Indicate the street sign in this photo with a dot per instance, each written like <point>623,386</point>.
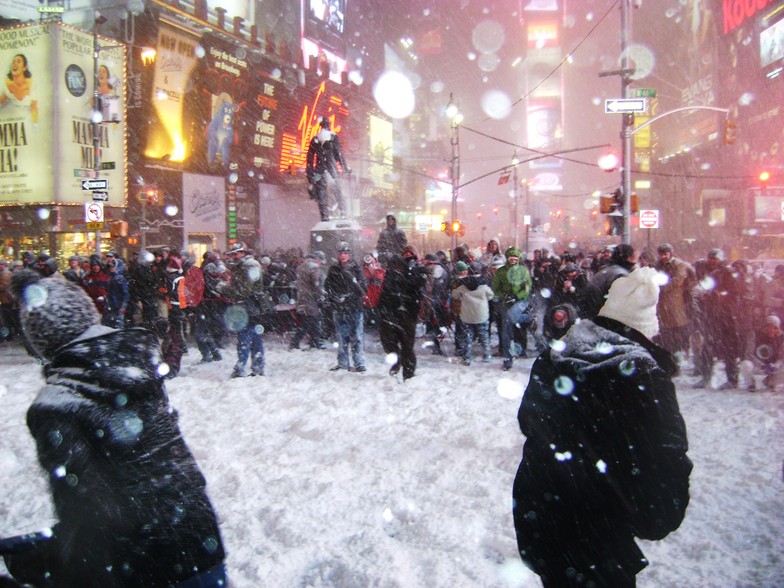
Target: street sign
<point>644,93</point>
<point>93,212</point>
<point>625,105</point>
<point>95,184</point>
<point>100,196</point>
<point>93,226</point>
<point>649,219</point>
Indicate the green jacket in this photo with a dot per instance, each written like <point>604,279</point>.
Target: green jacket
<point>512,281</point>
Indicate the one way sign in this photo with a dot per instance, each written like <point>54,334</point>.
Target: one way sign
<point>95,184</point>
<point>621,105</point>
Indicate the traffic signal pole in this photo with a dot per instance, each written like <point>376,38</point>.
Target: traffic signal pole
<point>626,125</point>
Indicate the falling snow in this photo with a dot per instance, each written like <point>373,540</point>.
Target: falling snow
<point>343,479</point>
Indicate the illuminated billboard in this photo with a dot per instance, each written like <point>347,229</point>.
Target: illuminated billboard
<point>177,57</point>
<point>297,133</point>
<point>325,23</point>
<point>46,151</point>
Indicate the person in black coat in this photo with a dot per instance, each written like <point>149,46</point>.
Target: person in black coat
<point>398,311</point>
<point>604,459</point>
<point>345,288</point>
<point>131,502</point>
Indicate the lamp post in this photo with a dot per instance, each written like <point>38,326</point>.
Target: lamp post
<point>455,118</point>
<point>96,115</point>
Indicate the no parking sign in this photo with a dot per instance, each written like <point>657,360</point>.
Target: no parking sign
<point>649,219</point>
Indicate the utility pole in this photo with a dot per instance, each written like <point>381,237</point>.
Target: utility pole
<point>95,115</point>
<point>627,123</point>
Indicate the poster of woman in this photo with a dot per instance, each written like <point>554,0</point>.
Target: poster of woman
<point>18,90</point>
<point>25,115</point>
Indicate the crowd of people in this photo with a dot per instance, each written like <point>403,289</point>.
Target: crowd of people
<point>710,310</point>
<point>611,330</point>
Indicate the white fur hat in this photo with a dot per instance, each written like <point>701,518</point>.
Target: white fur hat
<point>632,300</point>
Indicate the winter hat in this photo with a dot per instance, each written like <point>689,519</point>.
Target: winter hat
<point>632,300</point>
<point>344,246</point>
<point>410,250</point>
<point>237,247</point>
<point>52,311</point>
<point>174,265</point>
<point>773,320</point>
<point>512,252</point>
<point>461,266</point>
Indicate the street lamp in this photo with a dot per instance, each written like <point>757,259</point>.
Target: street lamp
<point>455,118</point>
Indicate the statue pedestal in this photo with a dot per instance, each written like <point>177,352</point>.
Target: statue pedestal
<point>325,236</point>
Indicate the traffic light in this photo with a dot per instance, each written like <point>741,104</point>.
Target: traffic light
<point>453,228</point>
<point>150,195</point>
<point>730,131</point>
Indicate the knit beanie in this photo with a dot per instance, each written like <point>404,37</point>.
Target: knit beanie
<point>53,311</point>
<point>461,266</point>
<point>632,300</point>
<point>512,252</point>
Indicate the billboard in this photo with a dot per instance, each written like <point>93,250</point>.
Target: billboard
<point>325,23</point>
<point>77,76</point>
<point>47,140</point>
<point>176,59</point>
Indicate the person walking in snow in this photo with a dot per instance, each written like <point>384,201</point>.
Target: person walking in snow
<point>310,294</point>
<point>676,300</point>
<point>398,312</point>
<point>391,240</point>
<point>474,294</point>
<point>250,301</point>
<point>512,287</point>
<point>130,499</point>
<point>345,288</point>
<point>117,296</point>
<point>604,460</point>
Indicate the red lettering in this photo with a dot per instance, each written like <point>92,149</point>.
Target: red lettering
<point>736,12</point>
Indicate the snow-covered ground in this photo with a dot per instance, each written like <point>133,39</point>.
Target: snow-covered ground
<point>356,480</point>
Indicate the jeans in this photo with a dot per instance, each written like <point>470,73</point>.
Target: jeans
<point>480,330</point>
<point>250,343</point>
<point>511,316</point>
<point>350,329</point>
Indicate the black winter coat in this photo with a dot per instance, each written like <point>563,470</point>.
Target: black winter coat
<point>345,287</point>
<point>130,498</point>
<point>402,290</point>
<point>605,454</point>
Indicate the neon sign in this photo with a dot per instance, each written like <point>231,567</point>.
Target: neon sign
<point>294,147</point>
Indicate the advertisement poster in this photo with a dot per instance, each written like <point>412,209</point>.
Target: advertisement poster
<point>75,80</point>
<point>204,203</point>
<point>26,118</point>
<point>224,81</point>
<point>177,57</point>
